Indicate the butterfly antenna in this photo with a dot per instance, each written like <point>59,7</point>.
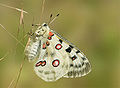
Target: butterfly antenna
<point>53,19</point>
<point>43,7</point>
<point>33,24</point>
<point>50,18</point>
<point>19,73</point>
<point>33,21</point>
<point>11,35</point>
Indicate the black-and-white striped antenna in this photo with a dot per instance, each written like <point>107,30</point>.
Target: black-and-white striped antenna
<point>52,20</point>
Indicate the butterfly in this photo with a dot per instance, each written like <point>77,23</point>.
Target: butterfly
<point>56,56</point>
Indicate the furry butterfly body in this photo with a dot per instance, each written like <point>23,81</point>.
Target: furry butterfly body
<point>56,57</point>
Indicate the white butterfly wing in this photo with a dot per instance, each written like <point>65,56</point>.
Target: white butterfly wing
<point>59,59</point>
<point>53,62</point>
<point>78,63</point>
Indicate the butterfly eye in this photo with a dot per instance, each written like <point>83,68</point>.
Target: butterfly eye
<point>56,63</point>
<point>45,25</point>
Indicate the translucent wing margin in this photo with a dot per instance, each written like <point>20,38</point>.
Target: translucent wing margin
<point>78,63</point>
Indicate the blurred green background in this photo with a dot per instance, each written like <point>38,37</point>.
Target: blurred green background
<point>92,25</point>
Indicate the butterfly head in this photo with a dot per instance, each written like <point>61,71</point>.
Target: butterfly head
<point>42,30</point>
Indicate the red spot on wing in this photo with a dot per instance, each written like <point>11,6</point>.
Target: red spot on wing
<point>74,57</point>
<point>41,63</point>
<point>58,46</point>
<point>38,64</point>
<point>51,34</point>
<point>47,43</point>
<point>44,46</point>
<point>56,63</point>
<point>49,38</point>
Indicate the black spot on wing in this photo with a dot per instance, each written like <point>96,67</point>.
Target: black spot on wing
<point>40,71</point>
<point>71,46</point>
<point>83,63</point>
<point>79,66</point>
<point>74,73</point>
<point>60,41</point>
<point>76,66</point>
<point>69,49</point>
<point>83,58</point>
<point>78,51</point>
<point>69,73</point>
<point>82,72</point>
<point>46,72</point>
<point>71,65</point>
<point>88,65</point>
<point>73,58</point>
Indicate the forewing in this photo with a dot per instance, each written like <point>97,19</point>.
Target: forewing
<point>78,63</point>
<point>59,59</point>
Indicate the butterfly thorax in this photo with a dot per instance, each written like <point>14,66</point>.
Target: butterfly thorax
<point>35,41</point>
<point>42,32</point>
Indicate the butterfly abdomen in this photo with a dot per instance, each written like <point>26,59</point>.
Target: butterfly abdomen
<point>32,49</point>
